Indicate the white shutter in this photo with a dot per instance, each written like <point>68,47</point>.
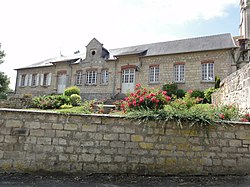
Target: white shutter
<point>41,80</point>
<point>20,80</point>
<point>49,79</point>
<point>30,79</point>
<point>26,80</point>
<point>37,79</point>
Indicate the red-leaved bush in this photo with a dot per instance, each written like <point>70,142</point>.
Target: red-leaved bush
<point>145,98</point>
<point>246,118</point>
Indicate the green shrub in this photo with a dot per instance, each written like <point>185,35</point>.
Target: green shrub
<point>180,93</point>
<point>170,89</point>
<point>88,107</point>
<point>208,94</point>
<point>217,82</point>
<point>66,106</point>
<point>184,103</point>
<point>76,100</point>
<point>228,112</point>
<point>72,90</point>
<point>3,96</point>
<point>197,93</point>
<point>50,101</point>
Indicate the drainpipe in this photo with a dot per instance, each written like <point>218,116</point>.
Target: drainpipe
<point>17,75</point>
<point>114,85</point>
<point>70,75</point>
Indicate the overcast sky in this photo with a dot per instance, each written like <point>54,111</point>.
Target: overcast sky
<point>35,30</point>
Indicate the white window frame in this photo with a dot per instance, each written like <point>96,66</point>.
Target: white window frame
<point>34,79</point>
<point>207,72</point>
<point>179,73</point>
<point>91,77</point>
<point>23,80</point>
<point>45,79</point>
<point>128,75</point>
<point>154,74</point>
<point>79,75</point>
<point>104,76</point>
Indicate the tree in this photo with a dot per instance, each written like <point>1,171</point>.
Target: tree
<point>2,55</point>
<point>4,80</point>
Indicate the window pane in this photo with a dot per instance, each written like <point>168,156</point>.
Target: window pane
<point>91,77</point>
<point>154,74</point>
<point>208,72</point>
<point>45,79</point>
<point>79,78</point>
<point>34,79</point>
<point>179,73</point>
<point>104,76</point>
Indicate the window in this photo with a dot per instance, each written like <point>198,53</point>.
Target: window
<point>45,79</point>
<point>179,73</point>
<point>34,80</point>
<point>104,76</point>
<point>79,78</point>
<point>154,72</point>
<point>91,77</point>
<point>93,52</point>
<point>23,80</point>
<point>128,75</point>
<point>208,71</point>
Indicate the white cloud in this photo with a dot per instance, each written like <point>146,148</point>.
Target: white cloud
<point>35,30</point>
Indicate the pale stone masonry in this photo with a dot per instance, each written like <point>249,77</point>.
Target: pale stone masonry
<point>235,90</point>
<point>100,73</point>
<point>34,141</point>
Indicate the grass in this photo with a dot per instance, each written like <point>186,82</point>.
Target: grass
<point>73,110</point>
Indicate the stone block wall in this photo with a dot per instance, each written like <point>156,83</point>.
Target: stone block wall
<point>235,90</point>
<point>34,141</point>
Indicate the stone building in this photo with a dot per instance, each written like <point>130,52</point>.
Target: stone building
<point>101,73</point>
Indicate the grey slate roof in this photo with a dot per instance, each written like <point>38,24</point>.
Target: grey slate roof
<point>50,61</point>
<point>206,43</point>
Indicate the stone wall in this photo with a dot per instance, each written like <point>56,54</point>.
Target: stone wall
<point>16,102</point>
<point>235,89</point>
<point>34,141</point>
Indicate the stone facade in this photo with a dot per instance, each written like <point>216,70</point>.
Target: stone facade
<point>35,141</point>
<point>222,59</point>
<point>235,90</point>
<point>102,74</point>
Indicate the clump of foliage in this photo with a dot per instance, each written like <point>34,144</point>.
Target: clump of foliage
<point>186,102</point>
<point>50,101</point>
<point>171,89</point>
<point>245,118</point>
<point>3,95</point>
<point>208,94</point>
<point>228,112</point>
<point>198,93</point>
<point>76,100</point>
<point>145,98</point>
<point>71,90</point>
<point>180,93</point>
<point>88,107</point>
<point>66,106</point>
<point>217,82</point>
